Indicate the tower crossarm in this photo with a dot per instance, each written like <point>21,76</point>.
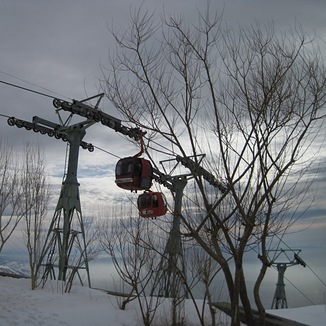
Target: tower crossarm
<point>46,128</point>
<point>284,256</point>
<point>195,168</point>
<point>163,179</point>
<point>93,113</point>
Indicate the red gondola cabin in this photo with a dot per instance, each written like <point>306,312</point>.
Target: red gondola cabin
<point>134,173</point>
<point>152,204</point>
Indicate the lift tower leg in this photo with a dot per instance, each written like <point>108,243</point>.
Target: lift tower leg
<point>279,300</point>
<point>171,269</point>
<point>63,247</point>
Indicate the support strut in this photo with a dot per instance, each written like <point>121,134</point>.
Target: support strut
<point>65,246</point>
<point>171,270</point>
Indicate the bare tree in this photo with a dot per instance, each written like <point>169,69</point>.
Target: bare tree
<point>11,210</point>
<point>35,198</point>
<point>206,271</point>
<point>124,240</point>
<point>251,100</point>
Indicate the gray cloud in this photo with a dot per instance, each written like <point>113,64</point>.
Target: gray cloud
<point>60,46</point>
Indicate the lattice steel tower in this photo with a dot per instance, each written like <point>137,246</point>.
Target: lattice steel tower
<point>65,250</point>
<point>65,246</point>
<point>171,277</point>
<point>279,299</point>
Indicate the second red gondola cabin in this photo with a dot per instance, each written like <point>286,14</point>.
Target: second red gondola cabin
<point>151,204</point>
<point>134,173</point>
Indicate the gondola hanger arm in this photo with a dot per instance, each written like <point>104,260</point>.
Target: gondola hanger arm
<point>141,144</point>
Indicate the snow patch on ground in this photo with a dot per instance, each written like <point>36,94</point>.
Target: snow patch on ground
<point>83,306</point>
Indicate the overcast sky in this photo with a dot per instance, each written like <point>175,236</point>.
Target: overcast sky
<point>60,46</point>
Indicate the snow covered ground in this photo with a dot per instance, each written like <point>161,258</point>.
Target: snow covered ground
<point>20,305</point>
<point>313,315</point>
<point>83,306</point>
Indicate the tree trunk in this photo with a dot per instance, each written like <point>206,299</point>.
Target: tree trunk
<point>258,302</point>
<point>244,299</point>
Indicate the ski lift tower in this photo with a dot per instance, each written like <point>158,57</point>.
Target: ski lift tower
<point>282,261</point>
<point>63,245</point>
<point>171,271</point>
<point>65,248</point>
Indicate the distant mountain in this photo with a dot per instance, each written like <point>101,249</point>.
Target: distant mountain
<point>8,271</point>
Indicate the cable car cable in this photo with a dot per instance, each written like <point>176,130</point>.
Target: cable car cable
<point>306,263</point>
<point>4,115</point>
<point>300,291</point>
<point>107,152</point>
<point>30,83</point>
<point>53,97</point>
<point>155,142</point>
<point>27,89</point>
<point>160,151</point>
<point>167,149</point>
<point>316,275</point>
